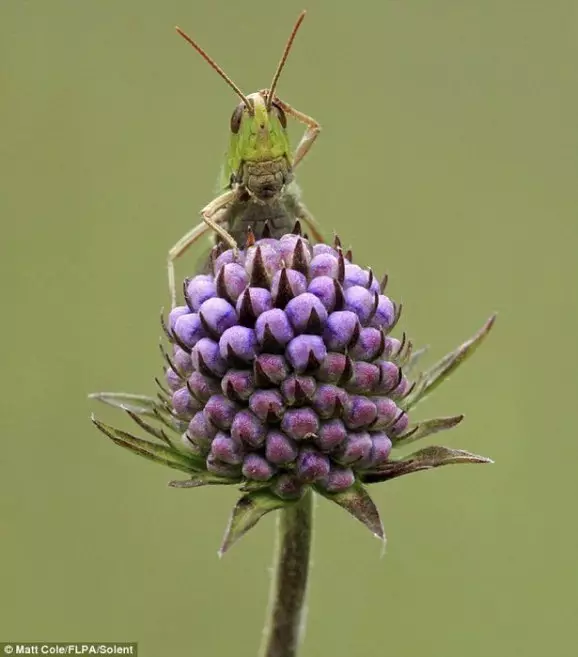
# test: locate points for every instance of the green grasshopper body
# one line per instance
(257, 181)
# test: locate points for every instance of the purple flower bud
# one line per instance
(272, 369)
(287, 487)
(300, 423)
(365, 378)
(227, 257)
(182, 361)
(297, 282)
(297, 390)
(203, 387)
(289, 244)
(183, 404)
(221, 411)
(217, 315)
(338, 480)
(368, 344)
(247, 428)
(332, 367)
(324, 264)
(222, 469)
(400, 390)
(238, 385)
(360, 301)
(257, 467)
(323, 288)
(201, 430)
(400, 425)
(189, 329)
(357, 447)
(359, 412)
(384, 314)
(355, 275)
(331, 435)
(389, 377)
(341, 329)
(192, 447)
(257, 298)
(227, 450)
(276, 324)
(306, 313)
(238, 342)
(329, 401)
(318, 249)
(236, 280)
(207, 358)
(270, 258)
(174, 380)
(387, 411)
(175, 313)
(267, 405)
(199, 289)
(380, 450)
(306, 352)
(279, 448)
(311, 466)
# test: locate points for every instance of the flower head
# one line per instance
(283, 375)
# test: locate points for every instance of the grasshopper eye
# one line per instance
(280, 115)
(236, 118)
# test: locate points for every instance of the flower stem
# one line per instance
(284, 626)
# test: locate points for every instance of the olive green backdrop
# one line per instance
(448, 158)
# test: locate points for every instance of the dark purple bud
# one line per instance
(329, 401)
(368, 344)
(380, 450)
(201, 431)
(364, 379)
(272, 369)
(331, 434)
(338, 479)
(270, 258)
(357, 447)
(217, 315)
(359, 412)
(300, 423)
(257, 468)
(238, 384)
(222, 469)
(276, 324)
(267, 405)
(238, 342)
(360, 301)
(174, 381)
(306, 352)
(189, 329)
(385, 313)
(324, 264)
(306, 313)
(318, 249)
(355, 275)
(297, 390)
(296, 281)
(323, 288)
(259, 298)
(311, 466)
(227, 450)
(182, 361)
(392, 347)
(221, 411)
(332, 367)
(401, 389)
(288, 244)
(203, 387)
(207, 359)
(287, 487)
(199, 289)
(235, 279)
(340, 329)
(175, 313)
(183, 404)
(279, 448)
(387, 411)
(390, 376)
(247, 428)
(399, 426)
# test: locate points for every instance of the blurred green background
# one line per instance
(448, 158)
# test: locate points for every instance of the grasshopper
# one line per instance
(257, 182)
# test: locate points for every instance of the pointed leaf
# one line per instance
(356, 501)
(431, 379)
(202, 479)
(427, 428)
(413, 361)
(424, 459)
(247, 513)
(139, 404)
(149, 450)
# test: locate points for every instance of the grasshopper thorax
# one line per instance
(259, 155)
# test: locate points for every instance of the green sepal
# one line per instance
(150, 450)
(432, 378)
(203, 479)
(426, 428)
(246, 514)
(357, 501)
(127, 401)
(424, 459)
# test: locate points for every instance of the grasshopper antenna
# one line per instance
(213, 64)
(283, 59)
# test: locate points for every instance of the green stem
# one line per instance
(284, 626)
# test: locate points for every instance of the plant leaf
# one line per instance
(203, 479)
(139, 404)
(424, 459)
(149, 450)
(356, 501)
(427, 428)
(431, 379)
(246, 514)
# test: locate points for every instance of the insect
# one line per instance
(257, 181)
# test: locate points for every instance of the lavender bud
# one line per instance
(239, 342)
(257, 467)
(221, 411)
(311, 466)
(199, 289)
(247, 428)
(306, 352)
(340, 330)
(279, 448)
(300, 423)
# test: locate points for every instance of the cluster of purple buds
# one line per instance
(283, 375)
